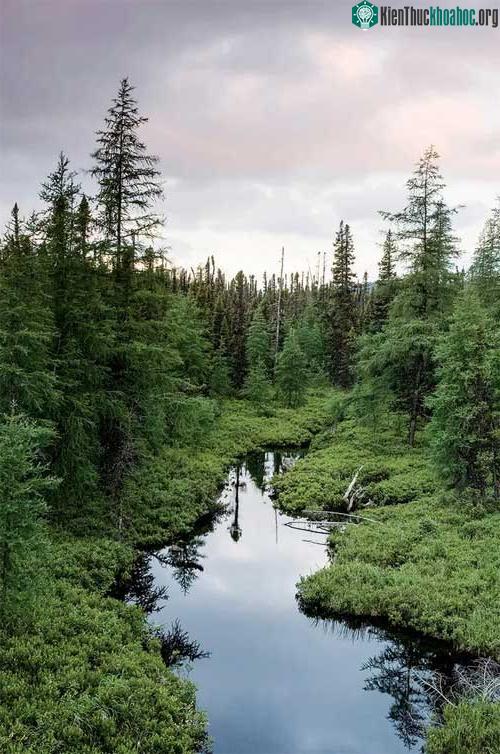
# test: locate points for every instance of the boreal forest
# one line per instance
(129, 387)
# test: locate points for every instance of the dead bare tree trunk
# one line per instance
(278, 317)
(354, 494)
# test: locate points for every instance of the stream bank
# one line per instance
(427, 561)
(275, 681)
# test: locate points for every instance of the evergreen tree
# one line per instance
(26, 327)
(24, 485)
(485, 269)
(386, 266)
(128, 188)
(386, 286)
(342, 315)
(291, 372)
(12, 237)
(127, 178)
(364, 304)
(219, 329)
(238, 322)
(258, 343)
(311, 341)
(403, 361)
(257, 388)
(443, 244)
(220, 381)
(427, 244)
(465, 426)
(82, 337)
(83, 222)
(396, 369)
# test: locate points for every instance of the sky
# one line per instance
(273, 119)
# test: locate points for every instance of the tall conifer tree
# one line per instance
(465, 427)
(485, 269)
(423, 229)
(342, 315)
(128, 180)
(26, 327)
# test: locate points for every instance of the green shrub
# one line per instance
(469, 728)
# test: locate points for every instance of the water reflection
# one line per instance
(401, 670)
(404, 669)
(397, 671)
(177, 647)
(276, 683)
(235, 528)
(140, 586)
(255, 465)
(184, 558)
(262, 465)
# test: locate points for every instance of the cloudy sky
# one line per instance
(273, 119)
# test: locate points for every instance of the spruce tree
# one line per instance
(311, 341)
(403, 361)
(342, 318)
(27, 377)
(386, 285)
(82, 337)
(423, 229)
(83, 221)
(12, 236)
(485, 269)
(238, 323)
(465, 426)
(386, 266)
(220, 381)
(24, 485)
(257, 388)
(128, 187)
(363, 304)
(59, 192)
(395, 368)
(291, 372)
(258, 343)
(128, 180)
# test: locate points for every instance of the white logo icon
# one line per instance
(364, 14)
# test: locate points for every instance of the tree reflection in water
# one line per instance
(255, 465)
(177, 647)
(139, 586)
(262, 465)
(235, 528)
(400, 670)
(184, 559)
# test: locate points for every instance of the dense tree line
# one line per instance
(107, 352)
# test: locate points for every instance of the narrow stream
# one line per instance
(275, 681)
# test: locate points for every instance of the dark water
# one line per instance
(276, 682)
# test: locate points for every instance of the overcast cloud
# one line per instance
(273, 120)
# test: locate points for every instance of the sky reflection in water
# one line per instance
(276, 682)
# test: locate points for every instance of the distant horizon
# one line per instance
(272, 123)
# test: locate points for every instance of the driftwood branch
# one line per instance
(325, 526)
(355, 493)
(342, 515)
